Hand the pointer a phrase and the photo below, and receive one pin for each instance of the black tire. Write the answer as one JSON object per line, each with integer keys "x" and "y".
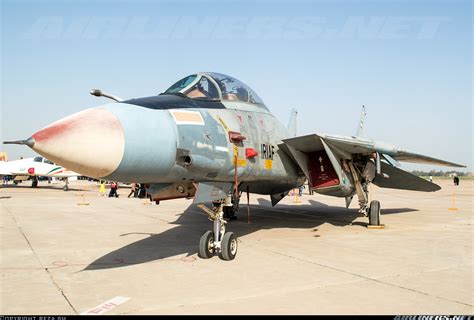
{"x": 228, "y": 247}
{"x": 206, "y": 245}
{"x": 374, "y": 213}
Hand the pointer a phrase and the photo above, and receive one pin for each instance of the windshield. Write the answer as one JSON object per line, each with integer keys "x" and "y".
{"x": 181, "y": 84}
{"x": 38, "y": 159}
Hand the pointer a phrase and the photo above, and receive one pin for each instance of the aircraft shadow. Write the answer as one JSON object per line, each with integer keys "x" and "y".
{"x": 191, "y": 224}
{"x": 397, "y": 210}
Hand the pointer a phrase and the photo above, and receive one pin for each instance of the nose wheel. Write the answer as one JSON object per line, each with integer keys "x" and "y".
{"x": 217, "y": 241}
{"x": 228, "y": 247}
{"x": 206, "y": 245}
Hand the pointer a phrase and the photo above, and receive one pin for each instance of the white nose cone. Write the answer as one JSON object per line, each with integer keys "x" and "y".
{"x": 90, "y": 142}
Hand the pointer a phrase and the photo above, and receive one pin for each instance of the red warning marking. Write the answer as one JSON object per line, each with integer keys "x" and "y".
{"x": 250, "y": 153}
{"x": 321, "y": 171}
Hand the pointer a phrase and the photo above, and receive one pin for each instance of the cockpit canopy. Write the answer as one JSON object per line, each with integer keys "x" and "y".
{"x": 214, "y": 87}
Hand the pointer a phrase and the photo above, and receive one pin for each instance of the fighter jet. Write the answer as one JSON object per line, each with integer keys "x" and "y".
{"x": 32, "y": 168}
{"x": 210, "y": 137}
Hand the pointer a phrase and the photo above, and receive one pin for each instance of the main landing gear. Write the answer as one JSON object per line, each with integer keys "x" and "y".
{"x": 372, "y": 211}
{"x": 217, "y": 241}
{"x": 34, "y": 182}
{"x": 66, "y": 185}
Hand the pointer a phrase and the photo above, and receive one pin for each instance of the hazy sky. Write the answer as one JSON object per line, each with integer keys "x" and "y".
{"x": 409, "y": 62}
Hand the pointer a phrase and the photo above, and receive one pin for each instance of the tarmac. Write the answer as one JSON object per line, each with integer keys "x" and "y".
{"x": 76, "y": 252}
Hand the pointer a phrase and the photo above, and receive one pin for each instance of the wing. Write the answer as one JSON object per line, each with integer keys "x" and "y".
{"x": 348, "y": 146}
{"x": 326, "y": 161}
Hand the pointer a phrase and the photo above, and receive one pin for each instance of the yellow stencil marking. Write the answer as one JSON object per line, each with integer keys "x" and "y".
{"x": 240, "y": 162}
{"x": 223, "y": 124}
{"x": 236, "y": 152}
{"x": 268, "y": 164}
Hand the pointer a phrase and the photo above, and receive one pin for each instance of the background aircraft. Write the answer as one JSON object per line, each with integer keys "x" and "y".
{"x": 33, "y": 168}
{"x": 209, "y": 136}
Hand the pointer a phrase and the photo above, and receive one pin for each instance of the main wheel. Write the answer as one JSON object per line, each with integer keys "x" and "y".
{"x": 206, "y": 245}
{"x": 374, "y": 213}
{"x": 228, "y": 247}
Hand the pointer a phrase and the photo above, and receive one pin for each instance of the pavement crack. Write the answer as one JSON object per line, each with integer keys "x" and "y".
{"x": 41, "y": 263}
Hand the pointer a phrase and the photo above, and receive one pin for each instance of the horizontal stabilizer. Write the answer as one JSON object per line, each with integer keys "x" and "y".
{"x": 398, "y": 179}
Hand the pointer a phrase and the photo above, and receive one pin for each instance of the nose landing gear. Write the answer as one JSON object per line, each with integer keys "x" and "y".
{"x": 217, "y": 241}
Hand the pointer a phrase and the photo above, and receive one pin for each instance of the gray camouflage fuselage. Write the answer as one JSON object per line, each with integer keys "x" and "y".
{"x": 161, "y": 148}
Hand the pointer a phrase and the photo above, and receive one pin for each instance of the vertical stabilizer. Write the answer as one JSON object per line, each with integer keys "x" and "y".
{"x": 292, "y": 122}
{"x": 360, "y": 128}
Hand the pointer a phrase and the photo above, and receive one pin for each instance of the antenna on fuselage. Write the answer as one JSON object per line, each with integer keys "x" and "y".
{"x": 100, "y": 93}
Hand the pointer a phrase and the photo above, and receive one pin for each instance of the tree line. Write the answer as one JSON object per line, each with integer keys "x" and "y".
{"x": 439, "y": 173}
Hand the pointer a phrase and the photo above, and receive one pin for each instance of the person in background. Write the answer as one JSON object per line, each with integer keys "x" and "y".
{"x": 133, "y": 190}
{"x": 113, "y": 190}
{"x": 102, "y": 188}
{"x": 300, "y": 191}
{"x": 431, "y": 178}
{"x": 456, "y": 180}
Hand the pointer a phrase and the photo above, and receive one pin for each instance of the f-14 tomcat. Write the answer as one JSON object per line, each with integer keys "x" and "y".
{"x": 210, "y": 137}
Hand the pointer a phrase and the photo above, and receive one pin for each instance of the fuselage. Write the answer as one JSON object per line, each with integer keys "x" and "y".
{"x": 170, "y": 139}
{"x": 36, "y": 166}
